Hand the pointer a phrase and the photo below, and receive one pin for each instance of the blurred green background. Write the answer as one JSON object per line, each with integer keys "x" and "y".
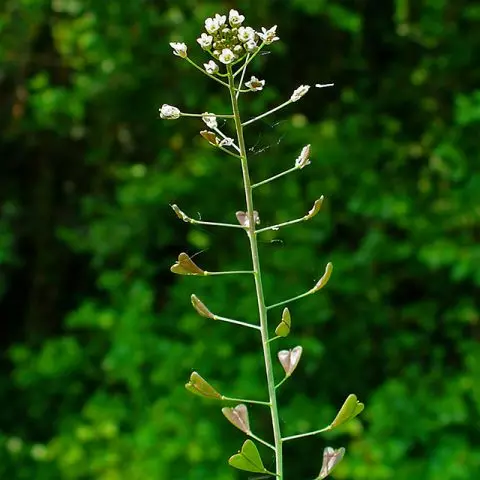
{"x": 98, "y": 337}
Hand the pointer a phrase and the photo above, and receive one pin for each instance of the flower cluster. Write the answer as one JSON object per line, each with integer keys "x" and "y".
{"x": 228, "y": 41}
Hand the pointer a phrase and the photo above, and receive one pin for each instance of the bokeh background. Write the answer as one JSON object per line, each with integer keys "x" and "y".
{"x": 98, "y": 337}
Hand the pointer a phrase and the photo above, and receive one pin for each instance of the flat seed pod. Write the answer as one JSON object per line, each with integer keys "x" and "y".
{"x": 290, "y": 359}
{"x": 325, "y": 278}
{"x": 238, "y": 416}
{"x": 201, "y": 308}
{"x": 331, "y": 458}
{"x": 248, "y": 459}
{"x": 186, "y": 266}
{"x": 201, "y": 387}
{"x": 315, "y": 209}
{"x": 284, "y": 326}
{"x": 242, "y": 218}
{"x": 210, "y": 137}
{"x": 350, "y": 409}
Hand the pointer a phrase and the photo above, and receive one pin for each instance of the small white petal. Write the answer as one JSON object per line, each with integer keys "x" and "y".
{"x": 246, "y": 34}
{"x": 179, "y": 49}
{"x": 227, "y": 56}
{"x": 268, "y": 36}
{"x": 211, "y": 67}
{"x": 235, "y": 19}
{"x": 211, "y": 25}
{"x": 205, "y": 41}
{"x": 255, "y": 84}
{"x": 220, "y": 19}
{"x": 319, "y": 85}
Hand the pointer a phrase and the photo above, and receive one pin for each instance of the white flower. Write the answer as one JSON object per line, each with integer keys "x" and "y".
{"x": 299, "y": 92}
{"x": 221, "y": 19}
{"x": 303, "y": 160}
{"x": 251, "y": 46}
{"x": 226, "y": 142}
{"x": 319, "y": 85}
{"x": 168, "y": 112}
{"x": 237, "y": 49}
{"x": 269, "y": 36}
{"x": 255, "y": 84}
{"x": 205, "y": 41}
{"x": 227, "y": 56}
{"x": 211, "y": 67}
{"x": 235, "y": 19}
{"x": 245, "y": 34}
{"x": 210, "y": 120}
{"x": 211, "y": 25}
{"x": 179, "y": 49}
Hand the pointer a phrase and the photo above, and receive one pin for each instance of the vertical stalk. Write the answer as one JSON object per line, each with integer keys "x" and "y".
{"x": 262, "y": 310}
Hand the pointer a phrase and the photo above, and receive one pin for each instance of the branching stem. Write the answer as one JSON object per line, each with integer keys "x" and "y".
{"x": 262, "y": 309}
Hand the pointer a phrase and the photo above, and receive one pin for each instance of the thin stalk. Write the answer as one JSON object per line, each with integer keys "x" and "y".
{"x": 263, "y": 182}
{"x": 298, "y": 297}
{"x": 236, "y": 322}
{"x": 280, "y": 225}
{"x": 262, "y": 310}
{"x": 281, "y": 382}
{"x": 244, "y": 66}
{"x": 213, "y": 224}
{"x": 241, "y": 78}
{"x": 231, "y": 272}
{"x": 183, "y": 114}
{"x": 273, "y": 338}
{"x": 244, "y": 400}
{"x": 204, "y": 72}
{"x": 248, "y": 122}
{"x": 258, "y": 439}
{"x": 316, "y": 432}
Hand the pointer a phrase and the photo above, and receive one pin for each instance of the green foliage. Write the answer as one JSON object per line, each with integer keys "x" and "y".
{"x": 101, "y": 335}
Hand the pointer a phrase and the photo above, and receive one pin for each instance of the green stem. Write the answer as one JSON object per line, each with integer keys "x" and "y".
{"x": 213, "y": 224}
{"x": 232, "y": 272}
{"x": 262, "y": 309}
{"x": 280, "y": 225}
{"x": 244, "y": 400}
{"x": 281, "y": 382}
{"x": 248, "y": 122}
{"x": 183, "y": 114}
{"x": 316, "y": 432}
{"x": 236, "y": 322}
{"x": 263, "y": 182}
{"x": 298, "y": 297}
{"x": 258, "y": 439}
{"x": 204, "y": 72}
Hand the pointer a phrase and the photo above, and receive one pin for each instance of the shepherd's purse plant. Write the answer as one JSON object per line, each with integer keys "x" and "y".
{"x": 231, "y": 47}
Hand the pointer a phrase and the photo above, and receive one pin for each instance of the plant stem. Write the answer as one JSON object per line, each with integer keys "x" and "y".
{"x": 236, "y": 322}
{"x": 248, "y": 122}
{"x": 316, "y": 432}
{"x": 280, "y": 225}
{"x": 298, "y": 297}
{"x": 286, "y": 172}
{"x": 262, "y": 309}
{"x": 244, "y": 400}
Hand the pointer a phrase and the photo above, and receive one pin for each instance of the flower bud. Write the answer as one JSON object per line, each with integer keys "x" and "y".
{"x": 168, "y": 112}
